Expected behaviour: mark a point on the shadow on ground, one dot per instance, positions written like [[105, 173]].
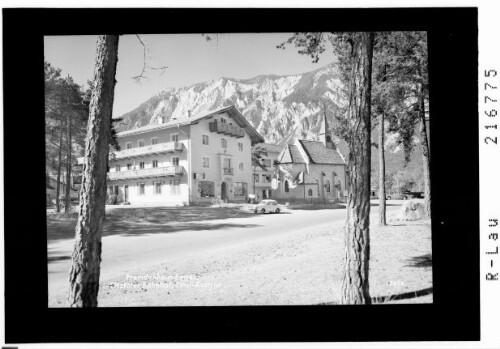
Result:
[[394, 297], [386, 204], [424, 261], [58, 258], [402, 296], [309, 207], [136, 221]]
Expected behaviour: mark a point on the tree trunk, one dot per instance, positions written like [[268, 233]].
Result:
[[68, 165], [355, 287], [381, 182], [58, 184], [86, 257], [426, 156]]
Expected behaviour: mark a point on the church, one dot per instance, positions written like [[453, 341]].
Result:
[[310, 171]]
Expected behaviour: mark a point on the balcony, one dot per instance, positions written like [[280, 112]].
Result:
[[230, 130], [228, 171], [168, 147], [147, 173]]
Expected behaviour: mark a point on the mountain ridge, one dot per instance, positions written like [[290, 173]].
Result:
[[273, 104]]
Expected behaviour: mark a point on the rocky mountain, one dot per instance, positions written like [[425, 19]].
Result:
[[273, 104]]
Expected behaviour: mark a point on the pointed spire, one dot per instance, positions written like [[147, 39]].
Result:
[[325, 134]]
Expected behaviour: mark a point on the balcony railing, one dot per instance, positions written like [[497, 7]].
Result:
[[149, 149], [230, 130], [228, 171], [148, 172]]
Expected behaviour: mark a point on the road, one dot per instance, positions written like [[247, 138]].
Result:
[[124, 253]]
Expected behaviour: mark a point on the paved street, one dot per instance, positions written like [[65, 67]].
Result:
[[152, 246]]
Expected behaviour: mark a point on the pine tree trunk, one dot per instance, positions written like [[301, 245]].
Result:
[[58, 184], [86, 257], [426, 156], [355, 287], [381, 182], [68, 165]]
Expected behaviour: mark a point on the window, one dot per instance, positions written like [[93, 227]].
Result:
[[223, 143], [175, 161], [142, 189], [206, 189], [206, 162], [141, 165], [110, 190], [129, 167], [175, 188], [155, 163], [256, 178], [227, 166], [174, 137], [266, 178], [339, 184], [117, 168], [222, 120], [129, 145], [157, 186], [240, 146], [154, 141], [310, 192], [241, 166], [327, 186], [141, 142], [240, 189], [287, 187], [205, 140]]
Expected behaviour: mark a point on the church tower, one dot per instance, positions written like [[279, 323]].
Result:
[[325, 135]]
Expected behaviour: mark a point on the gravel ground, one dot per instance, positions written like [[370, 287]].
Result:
[[303, 267]]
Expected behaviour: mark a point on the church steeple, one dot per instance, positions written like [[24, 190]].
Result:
[[325, 135]]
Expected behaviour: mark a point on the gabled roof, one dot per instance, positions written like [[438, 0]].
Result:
[[290, 154], [319, 154], [231, 110]]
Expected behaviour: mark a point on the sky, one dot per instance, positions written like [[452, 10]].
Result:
[[189, 59]]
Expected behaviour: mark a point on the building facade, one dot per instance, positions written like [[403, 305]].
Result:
[[194, 160], [310, 171]]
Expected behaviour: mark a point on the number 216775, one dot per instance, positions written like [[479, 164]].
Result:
[[490, 101]]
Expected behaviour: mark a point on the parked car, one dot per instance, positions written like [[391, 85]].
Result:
[[267, 206]]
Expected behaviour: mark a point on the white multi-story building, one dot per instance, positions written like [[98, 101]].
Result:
[[193, 160]]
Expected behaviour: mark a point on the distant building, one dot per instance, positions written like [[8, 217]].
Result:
[[312, 171], [193, 160], [264, 171]]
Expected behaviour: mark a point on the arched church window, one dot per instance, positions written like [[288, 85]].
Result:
[[287, 187], [310, 192], [327, 186]]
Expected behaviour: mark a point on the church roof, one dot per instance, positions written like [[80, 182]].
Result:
[[319, 154], [291, 154]]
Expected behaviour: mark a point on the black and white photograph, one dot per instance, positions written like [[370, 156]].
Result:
[[244, 175], [238, 169]]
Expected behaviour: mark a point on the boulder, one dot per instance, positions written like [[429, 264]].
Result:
[[412, 211]]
